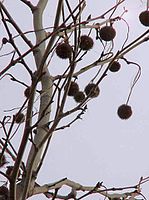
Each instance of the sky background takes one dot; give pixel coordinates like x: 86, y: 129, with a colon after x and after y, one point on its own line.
x: 101, y: 147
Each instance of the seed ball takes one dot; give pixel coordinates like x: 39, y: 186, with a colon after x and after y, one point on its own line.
x: 86, y: 42
x: 92, y: 90
x: 115, y: 66
x: 107, y: 33
x: 4, y: 40
x: 79, y: 97
x: 64, y: 50
x: 4, y: 192
x: 27, y: 92
x: 3, y: 160
x: 19, y: 118
x: 73, y: 89
x: 144, y: 18
x: 124, y: 111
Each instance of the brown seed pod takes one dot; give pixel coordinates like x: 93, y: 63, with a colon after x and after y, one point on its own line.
x: 124, y: 111
x: 19, y: 118
x: 144, y: 18
x: 9, y: 171
x: 4, y: 40
x: 115, y: 66
x: 4, y: 192
x: 64, y: 50
x: 107, y: 33
x: 27, y: 92
x: 79, y: 96
x: 73, y: 89
x: 86, y: 42
x: 3, y: 160
x: 92, y: 90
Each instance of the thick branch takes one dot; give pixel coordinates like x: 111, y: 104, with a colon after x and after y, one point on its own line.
x: 98, y: 188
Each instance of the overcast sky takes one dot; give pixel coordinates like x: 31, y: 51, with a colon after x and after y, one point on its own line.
x: 101, y: 147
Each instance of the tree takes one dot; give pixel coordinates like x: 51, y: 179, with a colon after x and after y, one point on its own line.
x: 46, y: 109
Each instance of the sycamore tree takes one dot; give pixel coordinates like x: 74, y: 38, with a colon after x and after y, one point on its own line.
x: 52, y: 98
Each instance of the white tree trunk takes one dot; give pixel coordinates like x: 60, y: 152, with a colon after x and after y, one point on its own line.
x: 40, y: 54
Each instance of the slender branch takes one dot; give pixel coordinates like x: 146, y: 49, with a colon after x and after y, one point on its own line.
x: 123, y: 52
x: 15, y: 25
x: 11, y: 41
x: 34, y: 47
x: 23, y: 142
x: 29, y: 4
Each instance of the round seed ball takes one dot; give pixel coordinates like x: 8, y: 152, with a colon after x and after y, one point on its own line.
x: 124, y: 111
x: 4, y: 192
x: 115, y: 66
x: 27, y: 92
x: 4, y: 40
x: 19, y: 118
x: 144, y: 18
x: 92, y: 90
x: 107, y: 33
x: 73, y: 89
x: 86, y: 42
x: 64, y: 50
x: 79, y: 97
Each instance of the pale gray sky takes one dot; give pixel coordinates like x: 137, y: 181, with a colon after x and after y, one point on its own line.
x: 101, y: 147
